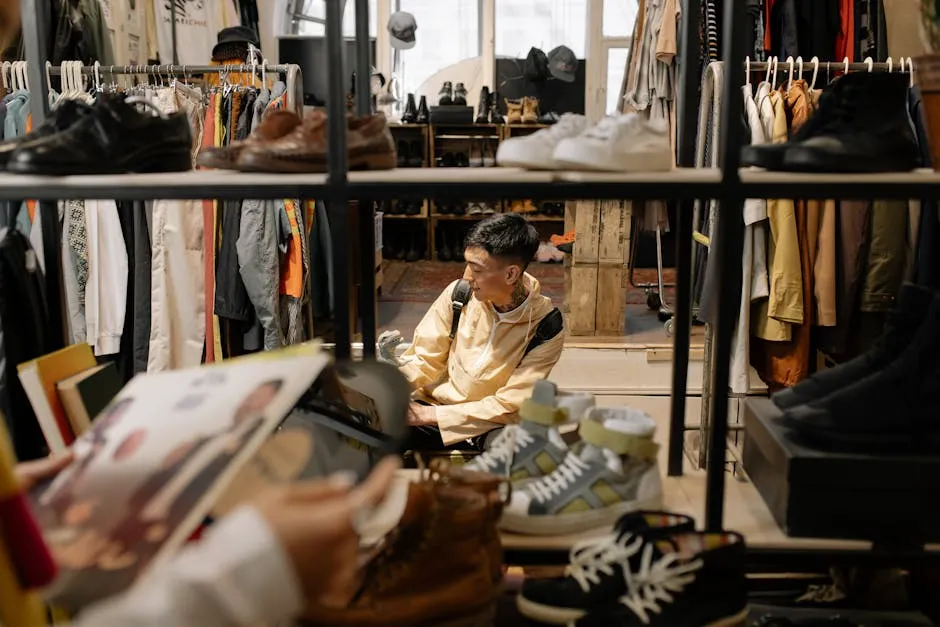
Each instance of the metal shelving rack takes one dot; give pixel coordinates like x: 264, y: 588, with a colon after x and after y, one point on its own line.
x: 337, y: 187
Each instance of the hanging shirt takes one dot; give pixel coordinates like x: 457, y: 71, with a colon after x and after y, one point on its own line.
x: 197, y: 23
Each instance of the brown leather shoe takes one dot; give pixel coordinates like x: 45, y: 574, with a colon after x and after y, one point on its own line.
x: 530, y: 110
x: 497, y: 490
x: 432, y: 573
x: 368, y: 140
x: 276, y: 124
x: 514, y: 111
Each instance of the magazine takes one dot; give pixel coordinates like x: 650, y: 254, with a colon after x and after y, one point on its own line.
x: 154, y: 462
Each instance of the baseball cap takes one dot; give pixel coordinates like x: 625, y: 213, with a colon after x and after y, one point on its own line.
x: 562, y: 63
x: 402, y: 27
x: 536, y: 65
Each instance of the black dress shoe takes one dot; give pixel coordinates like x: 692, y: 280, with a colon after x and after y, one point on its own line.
x: 446, y: 95
x: 413, y: 253
x: 412, y: 207
x: 67, y: 113
x: 114, y: 138
x: 415, y: 154
x: 901, y: 325
x: 483, y: 107
x: 411, y: 111
x: 460, y: 209
x: 424, y: 116
x: 403, y: 153
x: 447, y: 160
x: 894, y: 408
x: 444, y: 253
x: 462, y: 160
x: 460, y: 95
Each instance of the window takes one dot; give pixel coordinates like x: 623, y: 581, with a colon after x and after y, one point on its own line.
x: 448, y: 32
x: 619, y: 18
x: 616, y: 68
x: 316, y: 9
x: 522, y: 24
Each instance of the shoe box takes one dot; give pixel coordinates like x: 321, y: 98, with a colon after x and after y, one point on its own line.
x: 451, y: 114
x: 815, y: 493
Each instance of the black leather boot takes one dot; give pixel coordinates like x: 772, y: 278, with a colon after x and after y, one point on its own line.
x: 495, y: 116
x: 446, y: 95
x: 862, y: 125
x: 483, y: 107
x: 443, y: 249
x: 907, y: 316
x: 894, y: 408
x: 423, y: 113
x: 413, y: 253
x: 460, y: 95
x: 411, y: 111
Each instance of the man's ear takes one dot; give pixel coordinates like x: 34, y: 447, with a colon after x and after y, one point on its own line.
x: 513, y: 273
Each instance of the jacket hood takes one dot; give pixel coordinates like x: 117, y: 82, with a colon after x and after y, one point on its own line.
x: 534, y: 307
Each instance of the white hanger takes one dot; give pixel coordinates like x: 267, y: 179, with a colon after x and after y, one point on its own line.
x: 845, y: 62
x: 747, y: 70
x: 770, y: 63
x: 48, y: 76
x: 815, y: 62
x: 891, y: 65
x: 910, y: 69
x: 870, y: 64
x: 15, y: 75
x: 97, y: 76
x: 773, y: 82
x: 790, y: 78
x: 21, y: 75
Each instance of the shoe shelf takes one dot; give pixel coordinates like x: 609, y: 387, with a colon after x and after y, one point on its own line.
x: 486, y: 183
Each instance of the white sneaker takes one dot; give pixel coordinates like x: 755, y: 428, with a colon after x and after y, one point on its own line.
x: 625, y: 143
x: 534, y: 152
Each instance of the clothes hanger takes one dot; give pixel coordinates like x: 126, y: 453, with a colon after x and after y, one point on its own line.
x: 770, y: 63
x: 870, y: 63
x: 815, y: 62
x: 799, y: 62
x: 773, y: 80
x: 910, y: 70
x: 747, y: 71
x: 891, y: 65
x: 790, y: 76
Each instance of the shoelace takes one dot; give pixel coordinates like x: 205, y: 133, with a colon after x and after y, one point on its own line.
x: 504, y: 447
x: 611, y: 127
x: 546, y: 487
x: 590, y: 558
x: 655, y: 582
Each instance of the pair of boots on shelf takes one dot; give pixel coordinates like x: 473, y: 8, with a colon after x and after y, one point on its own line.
x: 653, y: 568
x: 862, y: 124
x: 416, y: 114
x: 441, y: 566
x: 488, y: 108
x: 621, y: 143
x: 111, y: 136
x: 410, y: 153
x: 886, y: 398
x: 523, y: 110
x: 284, y: 142
x: 451, y: 95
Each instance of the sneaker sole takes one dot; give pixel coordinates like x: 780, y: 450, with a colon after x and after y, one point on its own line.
x: 577, y: 158
x: 548, y: 614
x: 564, y: 524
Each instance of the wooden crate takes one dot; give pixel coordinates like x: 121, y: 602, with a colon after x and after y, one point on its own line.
x: 595, y: 272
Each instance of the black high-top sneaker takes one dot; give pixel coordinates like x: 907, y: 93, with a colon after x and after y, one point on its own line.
x: 908, y: 314
x: 596, y: 576
x: 483, y: 107
x: 690, y: 580
x: 866, y: 128
x: 411, y: 111
x: 896, y: 407
x: 424, y: 115
x: 460, y: 95
x: 446, y: 95
x: 495, y: 116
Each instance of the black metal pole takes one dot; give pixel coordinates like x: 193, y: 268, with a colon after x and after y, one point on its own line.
x: 366, y: 207
x: 687, y: 131
x: 727, y: 256
x: 173, y: 51
x: 35, y: 30
x: 338, y: 205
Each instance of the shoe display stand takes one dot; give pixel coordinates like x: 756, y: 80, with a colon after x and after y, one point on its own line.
x: 728, y: 503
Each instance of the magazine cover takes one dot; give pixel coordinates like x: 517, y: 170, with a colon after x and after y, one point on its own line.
x: 154, y: 462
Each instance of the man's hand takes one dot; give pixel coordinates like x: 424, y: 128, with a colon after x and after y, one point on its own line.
x: 315, y: 524
x: 422, y: 415
x: 28, y: 474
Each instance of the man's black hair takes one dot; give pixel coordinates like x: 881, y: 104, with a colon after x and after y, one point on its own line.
x: 508, y: 236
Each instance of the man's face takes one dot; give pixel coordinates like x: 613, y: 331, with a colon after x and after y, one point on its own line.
x: 490, y: 278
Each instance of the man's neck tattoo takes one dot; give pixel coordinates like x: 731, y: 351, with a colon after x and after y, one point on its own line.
x: 519, y: 294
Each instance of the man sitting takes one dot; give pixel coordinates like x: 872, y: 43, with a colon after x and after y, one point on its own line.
x: 474, y: 360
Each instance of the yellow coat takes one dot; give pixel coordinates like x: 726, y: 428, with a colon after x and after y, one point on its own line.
x: 477, y: 380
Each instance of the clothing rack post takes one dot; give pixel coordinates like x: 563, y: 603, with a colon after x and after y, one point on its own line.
x: 687, y: 119
x: 173, y: 54
x: 730, y: 233
x: 367, y: 304
x: 35, y: 28
x: 338, y: 204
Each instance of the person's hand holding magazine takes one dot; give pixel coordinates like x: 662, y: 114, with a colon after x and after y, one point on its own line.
x: 293, y: 546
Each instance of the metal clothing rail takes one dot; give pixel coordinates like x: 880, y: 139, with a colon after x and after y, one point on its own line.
x: 828, y: 66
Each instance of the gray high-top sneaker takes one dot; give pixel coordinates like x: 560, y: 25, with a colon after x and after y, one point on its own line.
x: 611, y: 472
x: 534, y: 447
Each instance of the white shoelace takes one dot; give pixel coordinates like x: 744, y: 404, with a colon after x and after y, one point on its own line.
x: 611, y: 127
x: 569, y: 470
x: 504, y: 448
x: 655, y: 582
x: 592, y: 557
x: 568, y: 125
